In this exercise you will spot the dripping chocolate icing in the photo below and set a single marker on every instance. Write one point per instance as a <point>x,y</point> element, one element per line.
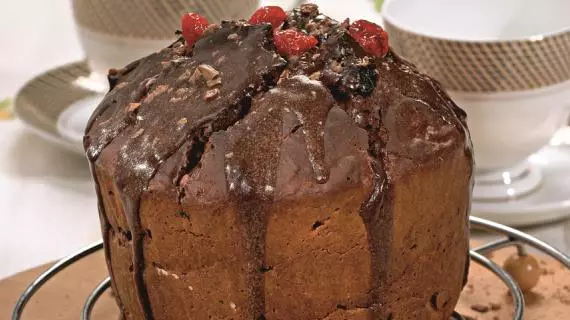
<point>265,104</point>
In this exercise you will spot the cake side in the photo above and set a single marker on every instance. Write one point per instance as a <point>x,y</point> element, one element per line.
<point>237,182</point>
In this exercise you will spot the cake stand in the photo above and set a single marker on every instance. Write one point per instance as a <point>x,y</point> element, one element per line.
<point>511,237</point>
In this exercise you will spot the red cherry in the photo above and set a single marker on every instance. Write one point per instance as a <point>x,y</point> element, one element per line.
<point>292,42</point>
<point>270,14</point>
<point>371,37</point>
<point>193,26</point>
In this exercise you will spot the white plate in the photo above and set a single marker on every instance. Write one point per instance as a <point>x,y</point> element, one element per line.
<point>550,202</point>
<point>57,104</point>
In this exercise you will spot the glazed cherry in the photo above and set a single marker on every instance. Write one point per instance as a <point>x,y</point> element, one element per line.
<point>371,37</point>
<point>270,14</point>
<point>193,26</point>
<point>293,42</point>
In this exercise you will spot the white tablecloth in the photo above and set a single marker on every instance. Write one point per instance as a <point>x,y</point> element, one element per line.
<point>47,202</point>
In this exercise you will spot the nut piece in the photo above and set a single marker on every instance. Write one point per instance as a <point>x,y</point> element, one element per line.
<point>309,9</point>
<point>315,76</point>
<point>133,106</point>
<point>214,82</point>
<point>211,94</point>
<point>233,37</point>
<point>182,121</point>
<point>208,72</point>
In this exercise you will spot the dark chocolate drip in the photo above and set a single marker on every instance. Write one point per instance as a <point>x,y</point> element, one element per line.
<point>377,215</point>
<point>106,231</point>
<point>252,163</point>
<point>171,114</point>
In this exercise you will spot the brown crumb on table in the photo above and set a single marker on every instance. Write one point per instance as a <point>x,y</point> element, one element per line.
<point>495,306</point>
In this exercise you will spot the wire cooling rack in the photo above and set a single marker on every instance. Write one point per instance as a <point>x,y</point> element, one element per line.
<point>511,237</point>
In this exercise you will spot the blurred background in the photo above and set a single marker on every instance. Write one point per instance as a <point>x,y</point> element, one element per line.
<point>48,88</point>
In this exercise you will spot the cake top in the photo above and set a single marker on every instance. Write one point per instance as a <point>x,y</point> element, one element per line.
<point>334,89</point>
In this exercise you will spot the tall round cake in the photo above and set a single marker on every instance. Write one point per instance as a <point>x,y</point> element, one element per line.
<point>285,167</point>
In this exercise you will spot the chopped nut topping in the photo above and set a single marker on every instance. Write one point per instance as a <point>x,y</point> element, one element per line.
<point>284,75</point>
<point>122,85</point>
<point>336,67</point>
<point>182,121</point>
<point>233,37</point>
<point>114,72</point>
<point>185,76</point>
<point>138,133</point>
<point>195,76</point>
<point>179,50</point>
<point>315,76</point>
<point>220,60</point>
<point>214,82</point>
<point>158,91</point>
<point>133,106</point>
<point>208,72</point>
<point>211,94</point>
<point>316,56</point>
<point>309,8</point>
<point>211,29</point>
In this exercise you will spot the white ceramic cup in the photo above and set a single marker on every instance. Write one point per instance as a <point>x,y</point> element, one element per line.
<point>116,32</point>
<point>506,63</point>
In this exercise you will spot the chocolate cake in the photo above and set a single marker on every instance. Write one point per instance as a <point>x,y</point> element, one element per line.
<point>285,167</point>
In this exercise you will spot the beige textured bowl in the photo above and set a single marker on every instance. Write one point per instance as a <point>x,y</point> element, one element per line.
<point>152,19</point>
<point>513,63</point>
<point>506,63</point>
<point>116,32</point>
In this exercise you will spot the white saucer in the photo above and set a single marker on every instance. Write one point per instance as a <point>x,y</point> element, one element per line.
<point>549,202</point>
<point>57,104</point>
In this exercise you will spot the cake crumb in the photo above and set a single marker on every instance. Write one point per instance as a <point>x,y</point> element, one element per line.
<point>191,288</point>
<point>480,308</point>
<point>233,306</point>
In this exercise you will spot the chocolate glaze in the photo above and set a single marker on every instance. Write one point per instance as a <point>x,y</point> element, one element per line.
<point>158,107</point>
<point>172,113</point>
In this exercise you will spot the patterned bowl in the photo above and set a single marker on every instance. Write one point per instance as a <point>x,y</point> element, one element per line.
<point>116,32</point>
<point>507,63</point>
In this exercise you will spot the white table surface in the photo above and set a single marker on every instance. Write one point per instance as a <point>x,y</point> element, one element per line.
<point>47,201</point>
